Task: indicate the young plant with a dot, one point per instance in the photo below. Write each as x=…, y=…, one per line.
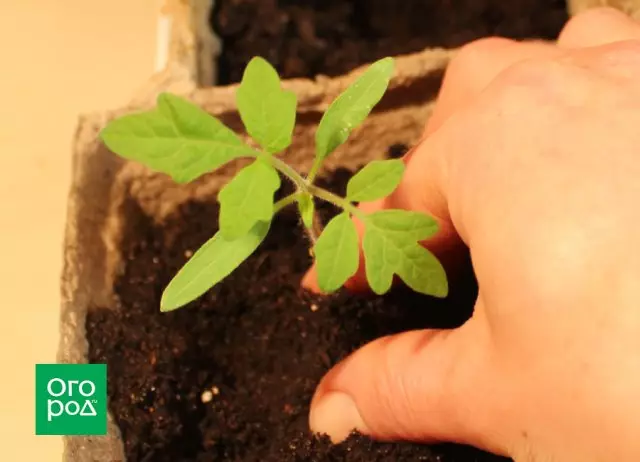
x=185, y=142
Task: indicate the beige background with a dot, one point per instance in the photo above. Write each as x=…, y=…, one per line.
x=58, y=58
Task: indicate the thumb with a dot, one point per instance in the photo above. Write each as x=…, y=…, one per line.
x=426, y=386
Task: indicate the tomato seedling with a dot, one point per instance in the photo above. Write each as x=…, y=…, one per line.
x=182, y=140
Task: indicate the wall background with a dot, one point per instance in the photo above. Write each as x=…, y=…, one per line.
x=58, y=58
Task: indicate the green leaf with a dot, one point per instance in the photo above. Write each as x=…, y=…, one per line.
x=267, y=111
x=404, y=223
x=306, y=208
x=337, y=253
x=247, y=199
x=376, y=180
x=177, y=138
x=214, y=261
x=353, y=106
x=391, y=247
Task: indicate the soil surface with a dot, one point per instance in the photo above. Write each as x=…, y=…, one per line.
x=331, y=37
x=230, y=377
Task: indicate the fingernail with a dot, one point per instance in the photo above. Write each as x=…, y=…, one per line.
x=336, y=415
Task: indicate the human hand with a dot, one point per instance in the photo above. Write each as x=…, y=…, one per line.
x=532, y=159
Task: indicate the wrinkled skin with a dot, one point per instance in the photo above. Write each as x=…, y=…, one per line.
x=532, y=159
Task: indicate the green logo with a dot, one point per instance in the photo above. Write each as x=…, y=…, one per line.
x=71, y=399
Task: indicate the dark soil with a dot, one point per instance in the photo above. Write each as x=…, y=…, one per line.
x=331, y=37
x=230, y=377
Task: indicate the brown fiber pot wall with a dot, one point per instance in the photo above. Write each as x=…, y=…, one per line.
x=631, y=7
x=101, y=181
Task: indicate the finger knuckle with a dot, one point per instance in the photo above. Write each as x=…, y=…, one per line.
x=534, y=80
x=583, y=24
x=395, y=389
x=477, y=53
